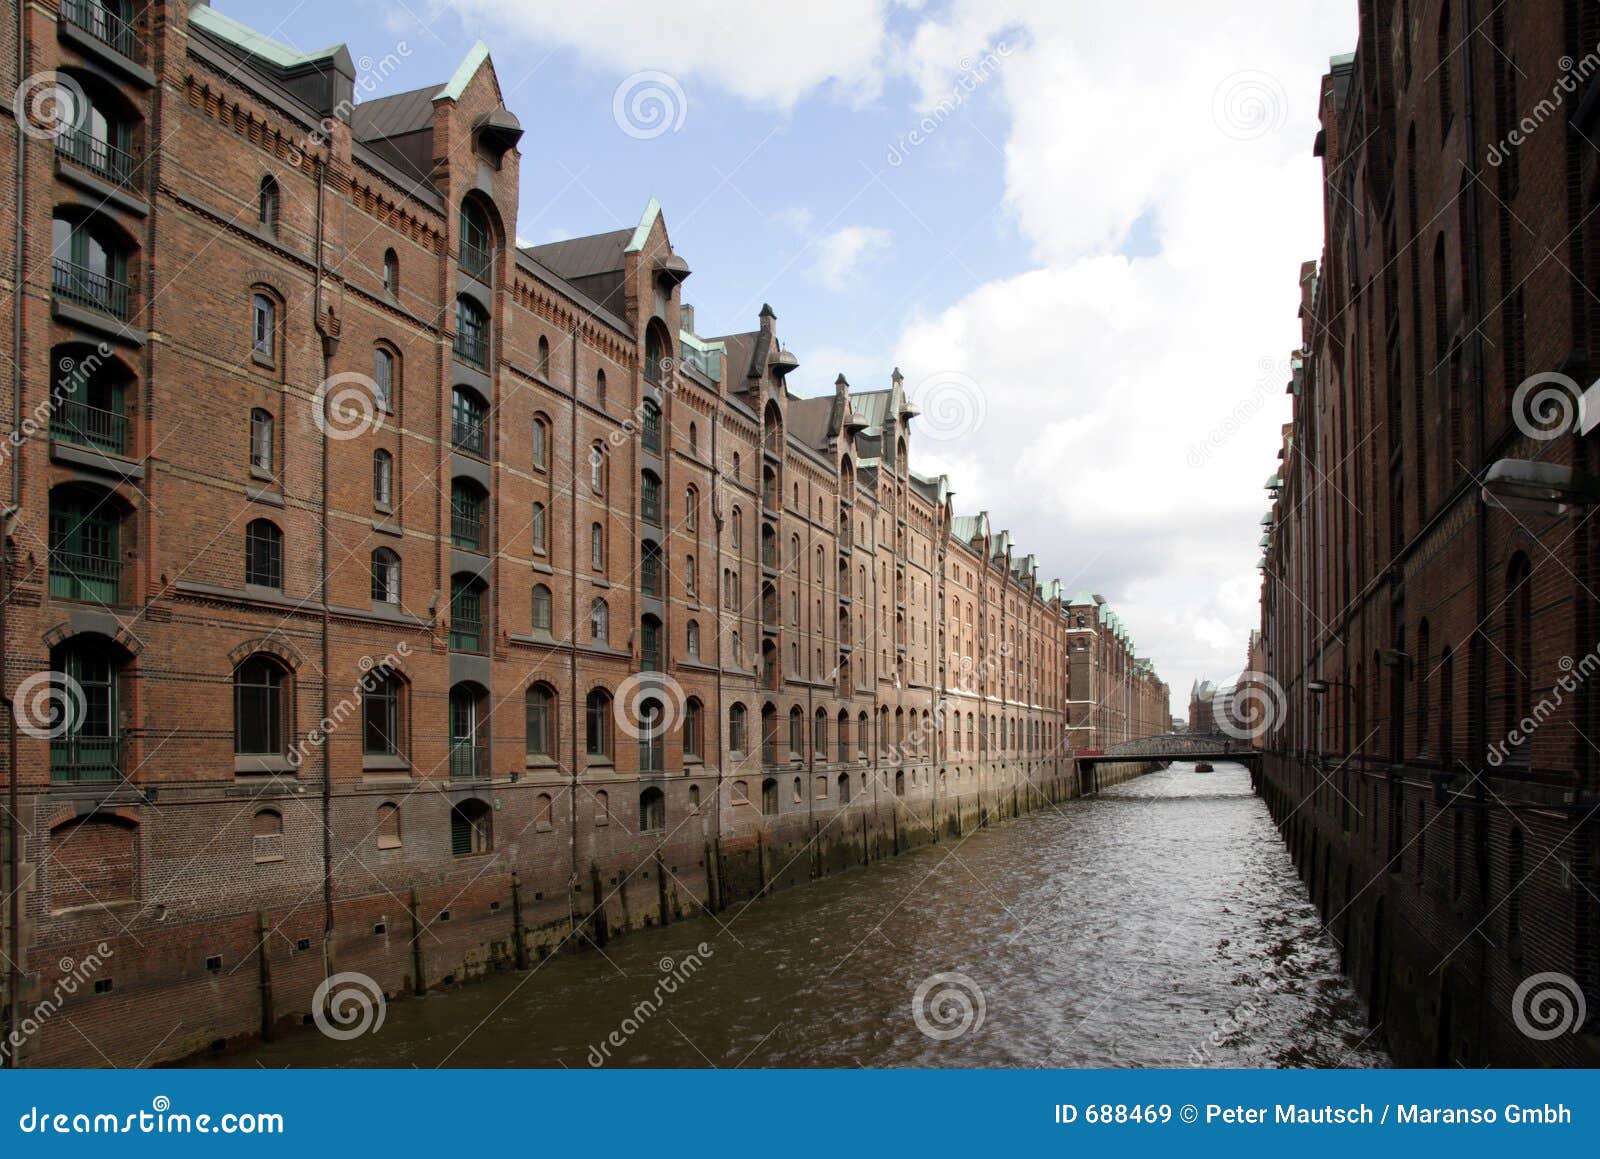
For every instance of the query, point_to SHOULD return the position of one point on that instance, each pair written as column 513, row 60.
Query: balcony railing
column 467, row 530
column 472, row 348
column 469, row 759
column 104, row 26
column 84, row 287
column 466, row 635
column 99, row 157
column 468, row 435
column 85, row 760
column 75, row 576
column 475, row 259
column 90, row 426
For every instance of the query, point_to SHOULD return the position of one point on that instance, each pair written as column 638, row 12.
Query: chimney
column 686, row 318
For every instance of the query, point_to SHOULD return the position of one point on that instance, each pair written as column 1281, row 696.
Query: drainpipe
column 328, row 344
column 13, row 825
column 572, row 622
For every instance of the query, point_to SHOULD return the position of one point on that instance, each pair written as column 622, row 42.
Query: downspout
column 328, row 344
column 13, row 802
column 572, row 626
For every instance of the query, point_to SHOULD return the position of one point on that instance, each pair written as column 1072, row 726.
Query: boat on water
column 1203, row 767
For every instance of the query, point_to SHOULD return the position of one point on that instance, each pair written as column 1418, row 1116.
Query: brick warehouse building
column 414, row 604
column 1428, row 604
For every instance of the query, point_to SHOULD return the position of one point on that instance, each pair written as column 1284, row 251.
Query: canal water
column 1158, row 924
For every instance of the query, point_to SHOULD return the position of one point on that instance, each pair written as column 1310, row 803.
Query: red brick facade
column 1416, row 614
column 370, row 542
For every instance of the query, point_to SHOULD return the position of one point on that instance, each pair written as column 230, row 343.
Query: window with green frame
column 466, row 614
column 89, row 744
column 89, row 407
column 85, row 557
column 88, row 268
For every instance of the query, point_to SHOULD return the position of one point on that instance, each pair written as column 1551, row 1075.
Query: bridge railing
column 1181, row 745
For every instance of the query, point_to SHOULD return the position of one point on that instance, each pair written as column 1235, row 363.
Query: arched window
column 693, row 714
column 694, row 439
column 602, row 807
column 652, row 737
column 797, row 732
column 539, row 722
column 388, row 825
column 600, row 621
column 650, row 497
column 544, row 358
column 89, row 406
column 266, row 835
column 843, row 738
column 258, row 707
column 466, row 613
column 471, row 344
column 385, row 576
column 736, row 729
column 652, row 810
column 690, row 577
column 769, row 734
column 692, row 642
column 469, row 732
column 87, row 744
column 649, row 644
column 263, row 554
column 691, row 510
column 469, row 523
column 391, row 272
column 844, row 788
column 597, row 725
column 600, row 389
column 597, row 547
column 736, row 529
column 476, row 239
column 650, row 568
column 385, row 377
column 694, row 798
column 541, row 608
column 267, row 203
column 769, row 797
column 541, row 443
column 797, row 791
column 543, row 813
column 382, row 479
column 735, row 465
column 469, row 421
column 471, row 829
column 264, row 329
column 819, row 736
column 537, row 528
column 383, row 713
column 652, row 427
column 597, row 469
column 861, row 737
column 262, row 442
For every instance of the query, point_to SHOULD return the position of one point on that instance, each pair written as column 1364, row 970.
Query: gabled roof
column 465, row 71
column 579, row 257
column 255, row 43
column 393, row 116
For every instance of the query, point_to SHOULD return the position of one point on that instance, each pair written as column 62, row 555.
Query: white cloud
column 844, row 249
column 1104, row 378
column 768, row 53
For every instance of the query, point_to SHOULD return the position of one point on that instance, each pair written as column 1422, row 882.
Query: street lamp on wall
column 1523, row 486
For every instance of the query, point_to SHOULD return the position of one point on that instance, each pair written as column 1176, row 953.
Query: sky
column 1076, row 227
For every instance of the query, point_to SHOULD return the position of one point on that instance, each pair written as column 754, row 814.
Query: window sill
column 383, row 508
column 262, row 763
column 535, row 761
column 264, row 361
column 543, row 827
column 385, row 762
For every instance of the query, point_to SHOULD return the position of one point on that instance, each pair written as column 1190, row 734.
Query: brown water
column 1159, row 924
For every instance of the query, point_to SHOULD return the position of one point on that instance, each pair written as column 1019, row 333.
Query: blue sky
column 1088, row 269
